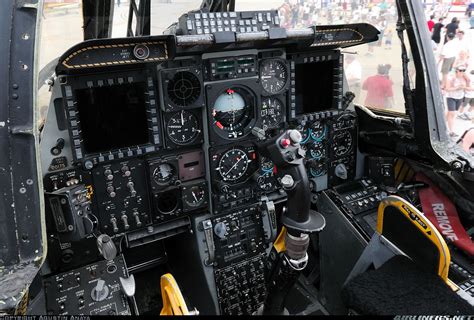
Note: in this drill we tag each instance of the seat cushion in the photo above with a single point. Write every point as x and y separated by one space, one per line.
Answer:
400 287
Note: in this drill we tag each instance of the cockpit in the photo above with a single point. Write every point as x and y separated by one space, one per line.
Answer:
266 162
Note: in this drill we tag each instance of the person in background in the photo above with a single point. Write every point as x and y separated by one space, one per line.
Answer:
451 27
462 60
447 57
454 97
353 72
431 23
388 38
379 88
467 140
469 9
468 101
462 43
436 33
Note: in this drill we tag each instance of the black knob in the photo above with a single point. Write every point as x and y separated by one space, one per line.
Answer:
58 147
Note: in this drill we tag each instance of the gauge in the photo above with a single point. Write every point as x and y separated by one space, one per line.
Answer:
232 112
273 75
316 150
266 165
318 130
194 196
233 165
342 143
266 175
183 127
317 172
271 113
163 173
304 133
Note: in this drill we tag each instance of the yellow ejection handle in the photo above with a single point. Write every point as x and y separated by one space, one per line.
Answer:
173 301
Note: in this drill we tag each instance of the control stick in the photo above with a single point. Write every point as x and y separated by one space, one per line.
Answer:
283 268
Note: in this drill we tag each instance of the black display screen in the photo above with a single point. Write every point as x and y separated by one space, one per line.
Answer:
314 86
112 117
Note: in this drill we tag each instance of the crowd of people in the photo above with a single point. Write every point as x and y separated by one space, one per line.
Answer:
456 74
303 13
378 87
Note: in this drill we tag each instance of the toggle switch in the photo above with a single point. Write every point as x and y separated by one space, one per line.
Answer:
137 219
125 222
113 221
131 186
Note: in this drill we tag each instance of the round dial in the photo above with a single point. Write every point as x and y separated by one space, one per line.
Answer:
195 196
316 150
273 75
233 165
318 131
342 143
183 127
317 171
271 113
304 133
232 112
163 173
266 176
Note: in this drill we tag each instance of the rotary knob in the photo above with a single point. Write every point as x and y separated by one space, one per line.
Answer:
100 291
126 171
109 174
220 230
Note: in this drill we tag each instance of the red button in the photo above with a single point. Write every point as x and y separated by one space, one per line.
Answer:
285 143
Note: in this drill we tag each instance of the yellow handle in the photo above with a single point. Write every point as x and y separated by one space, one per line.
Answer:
173 301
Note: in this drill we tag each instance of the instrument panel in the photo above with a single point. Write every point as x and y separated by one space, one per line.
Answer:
163 140
155 144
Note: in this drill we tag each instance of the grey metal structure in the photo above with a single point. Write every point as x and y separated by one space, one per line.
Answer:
22 230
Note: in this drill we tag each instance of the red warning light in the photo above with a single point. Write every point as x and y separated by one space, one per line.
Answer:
230 91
